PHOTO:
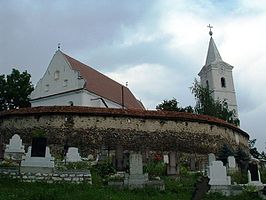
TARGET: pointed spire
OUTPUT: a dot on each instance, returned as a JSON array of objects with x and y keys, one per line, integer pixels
[{"x": 213, "y": 54}]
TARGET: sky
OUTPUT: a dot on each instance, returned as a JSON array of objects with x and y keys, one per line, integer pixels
[{"x": 157, "y": 46}]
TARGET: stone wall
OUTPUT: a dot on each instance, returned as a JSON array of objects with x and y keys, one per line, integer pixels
[
  {"x": 90, "y": 128},
  {"x": 62, "y": 177}
]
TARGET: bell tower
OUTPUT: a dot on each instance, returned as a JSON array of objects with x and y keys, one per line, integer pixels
[{"x": 218, "y": 76}]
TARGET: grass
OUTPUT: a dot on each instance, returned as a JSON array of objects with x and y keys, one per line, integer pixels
[
  {"x": 180, "y": 188},
  {"x": 14, "y": 189}
]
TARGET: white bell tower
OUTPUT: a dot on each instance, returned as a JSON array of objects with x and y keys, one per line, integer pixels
[{"x": 218, "y": 76}]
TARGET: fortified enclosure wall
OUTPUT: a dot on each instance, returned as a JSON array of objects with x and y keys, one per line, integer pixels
[{"x": 90, "y": 128}]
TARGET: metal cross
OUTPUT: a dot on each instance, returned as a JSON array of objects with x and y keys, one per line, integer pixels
[{"x": 210, "y": 27}]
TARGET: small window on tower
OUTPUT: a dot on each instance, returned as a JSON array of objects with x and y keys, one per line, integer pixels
[
  {"x": 223, "y": 82},
  {"x": 56, "y": 75},
  {"x": 207, "y": 84}
]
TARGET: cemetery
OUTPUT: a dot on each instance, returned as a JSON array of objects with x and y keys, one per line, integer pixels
[{"x": 48, "y": 146}]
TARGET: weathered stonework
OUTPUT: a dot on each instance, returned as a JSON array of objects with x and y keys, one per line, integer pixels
[{"x": 90, "y": 128}]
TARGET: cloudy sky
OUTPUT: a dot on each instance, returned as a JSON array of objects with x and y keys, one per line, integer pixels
[{"x": 157, "y": 46}]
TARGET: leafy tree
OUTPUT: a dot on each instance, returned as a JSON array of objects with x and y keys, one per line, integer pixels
[
  {"x": 242, "y": 159},
  {"x": 224, "y": 152},
  {"x": 206, "y": 105},
  {"x": 15, "y": 89},
  {"x": 253, "y": 150},
  {"x": 172, "y": 105}
]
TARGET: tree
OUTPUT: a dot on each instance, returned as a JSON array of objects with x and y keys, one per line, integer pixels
[
  {"x": 224, "y": 152},
  {"x": 172, "y": 105},
  {"x": 242, "y": 159},
  {"x": 206, "y": 105},
  {"x": 253, "y": 150},
  {"x": 15, "y": 89}
]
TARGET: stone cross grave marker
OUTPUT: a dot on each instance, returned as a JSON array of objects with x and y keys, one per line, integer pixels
[{"x": 73, "y": 155}]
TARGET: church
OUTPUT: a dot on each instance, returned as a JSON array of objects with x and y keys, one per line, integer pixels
[
  {"x": 218, "y": 76},
  {"x": 68, "y": 82}
]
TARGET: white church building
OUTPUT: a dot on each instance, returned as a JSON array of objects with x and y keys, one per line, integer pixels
[
  {"x": 217, "y": 75},
  {"x": 68, "y": 82}
]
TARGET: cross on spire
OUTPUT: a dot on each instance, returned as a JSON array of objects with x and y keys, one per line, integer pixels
[
  {"x": 210, "y": 27},
  {"x": 58, "y": 46}
]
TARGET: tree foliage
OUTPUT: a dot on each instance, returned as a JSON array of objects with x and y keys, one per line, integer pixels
[
  {"x": 224, "y": 152},
  {"x": 253, "y": 150},
  {"x": 206, "y": 105},
  {"x": 242, "y": 159},
  {"x": 172, "y": 105},
  {"x": 15, "y": 89}
]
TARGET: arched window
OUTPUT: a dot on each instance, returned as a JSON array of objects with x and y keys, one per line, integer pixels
[
  {"x": 207, "y": 84},
  {"x": 223, "y": 84}
]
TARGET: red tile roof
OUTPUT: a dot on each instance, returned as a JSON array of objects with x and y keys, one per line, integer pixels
[
  {"x": 103, "y": 86},
  {"x": 82, "y": 110}
]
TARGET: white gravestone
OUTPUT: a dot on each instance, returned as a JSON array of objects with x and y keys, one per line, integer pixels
[
  {"x": 38, "y": 164},
  {"x": 231, "y": 162},
  {"x": 73, "y": 155},
  {"x": 254, "y": 174},
  {"x": 211, "y": 158},
  {"x": 165, "y": 159},
  {"x": 135, "y": 164},
  {"x": 136, "y": 176},
  {"x": 218, "y": 174},
  {"x": 14, "y": 149}
]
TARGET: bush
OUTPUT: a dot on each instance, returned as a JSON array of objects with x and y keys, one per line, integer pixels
[
  {"x": 239, "y": 177},
  {"x": 105, "y": 169},
  {"x": 154, "y": 168},
  {"x": 263, "y": 175}
]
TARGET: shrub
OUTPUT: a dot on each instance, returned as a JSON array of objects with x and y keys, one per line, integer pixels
[
  {"x": 154, "y": 168},
  {"x": 239, "y": 177}
]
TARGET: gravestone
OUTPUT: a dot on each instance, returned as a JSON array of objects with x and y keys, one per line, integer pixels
[
  {"x": 211, "y": 158},
  {"x": 73, "y": 155},
  {"x": 136, "y": 176},
  {"x": 1, "y": 147},
  {"x": 15, "y": 149},
  {"x": 172, "y": 166},
  {"x": 165, "y": 159},
  {"x": 34, "y": 164},
  {"x": 231, "y": 162},
  {"x": 254, "y": 174},
  {"x": 192, "y": 163},
  {"x": 119, "y": 155},
  {"x": 218, "y": 174}
]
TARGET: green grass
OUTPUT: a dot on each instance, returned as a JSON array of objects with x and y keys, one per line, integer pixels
[
  {"x": 13, "y": 189},
  {"x": 180, "y": 188}
]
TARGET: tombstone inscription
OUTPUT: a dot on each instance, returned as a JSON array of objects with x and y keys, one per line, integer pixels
[{"x": 38, "y": 147}]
